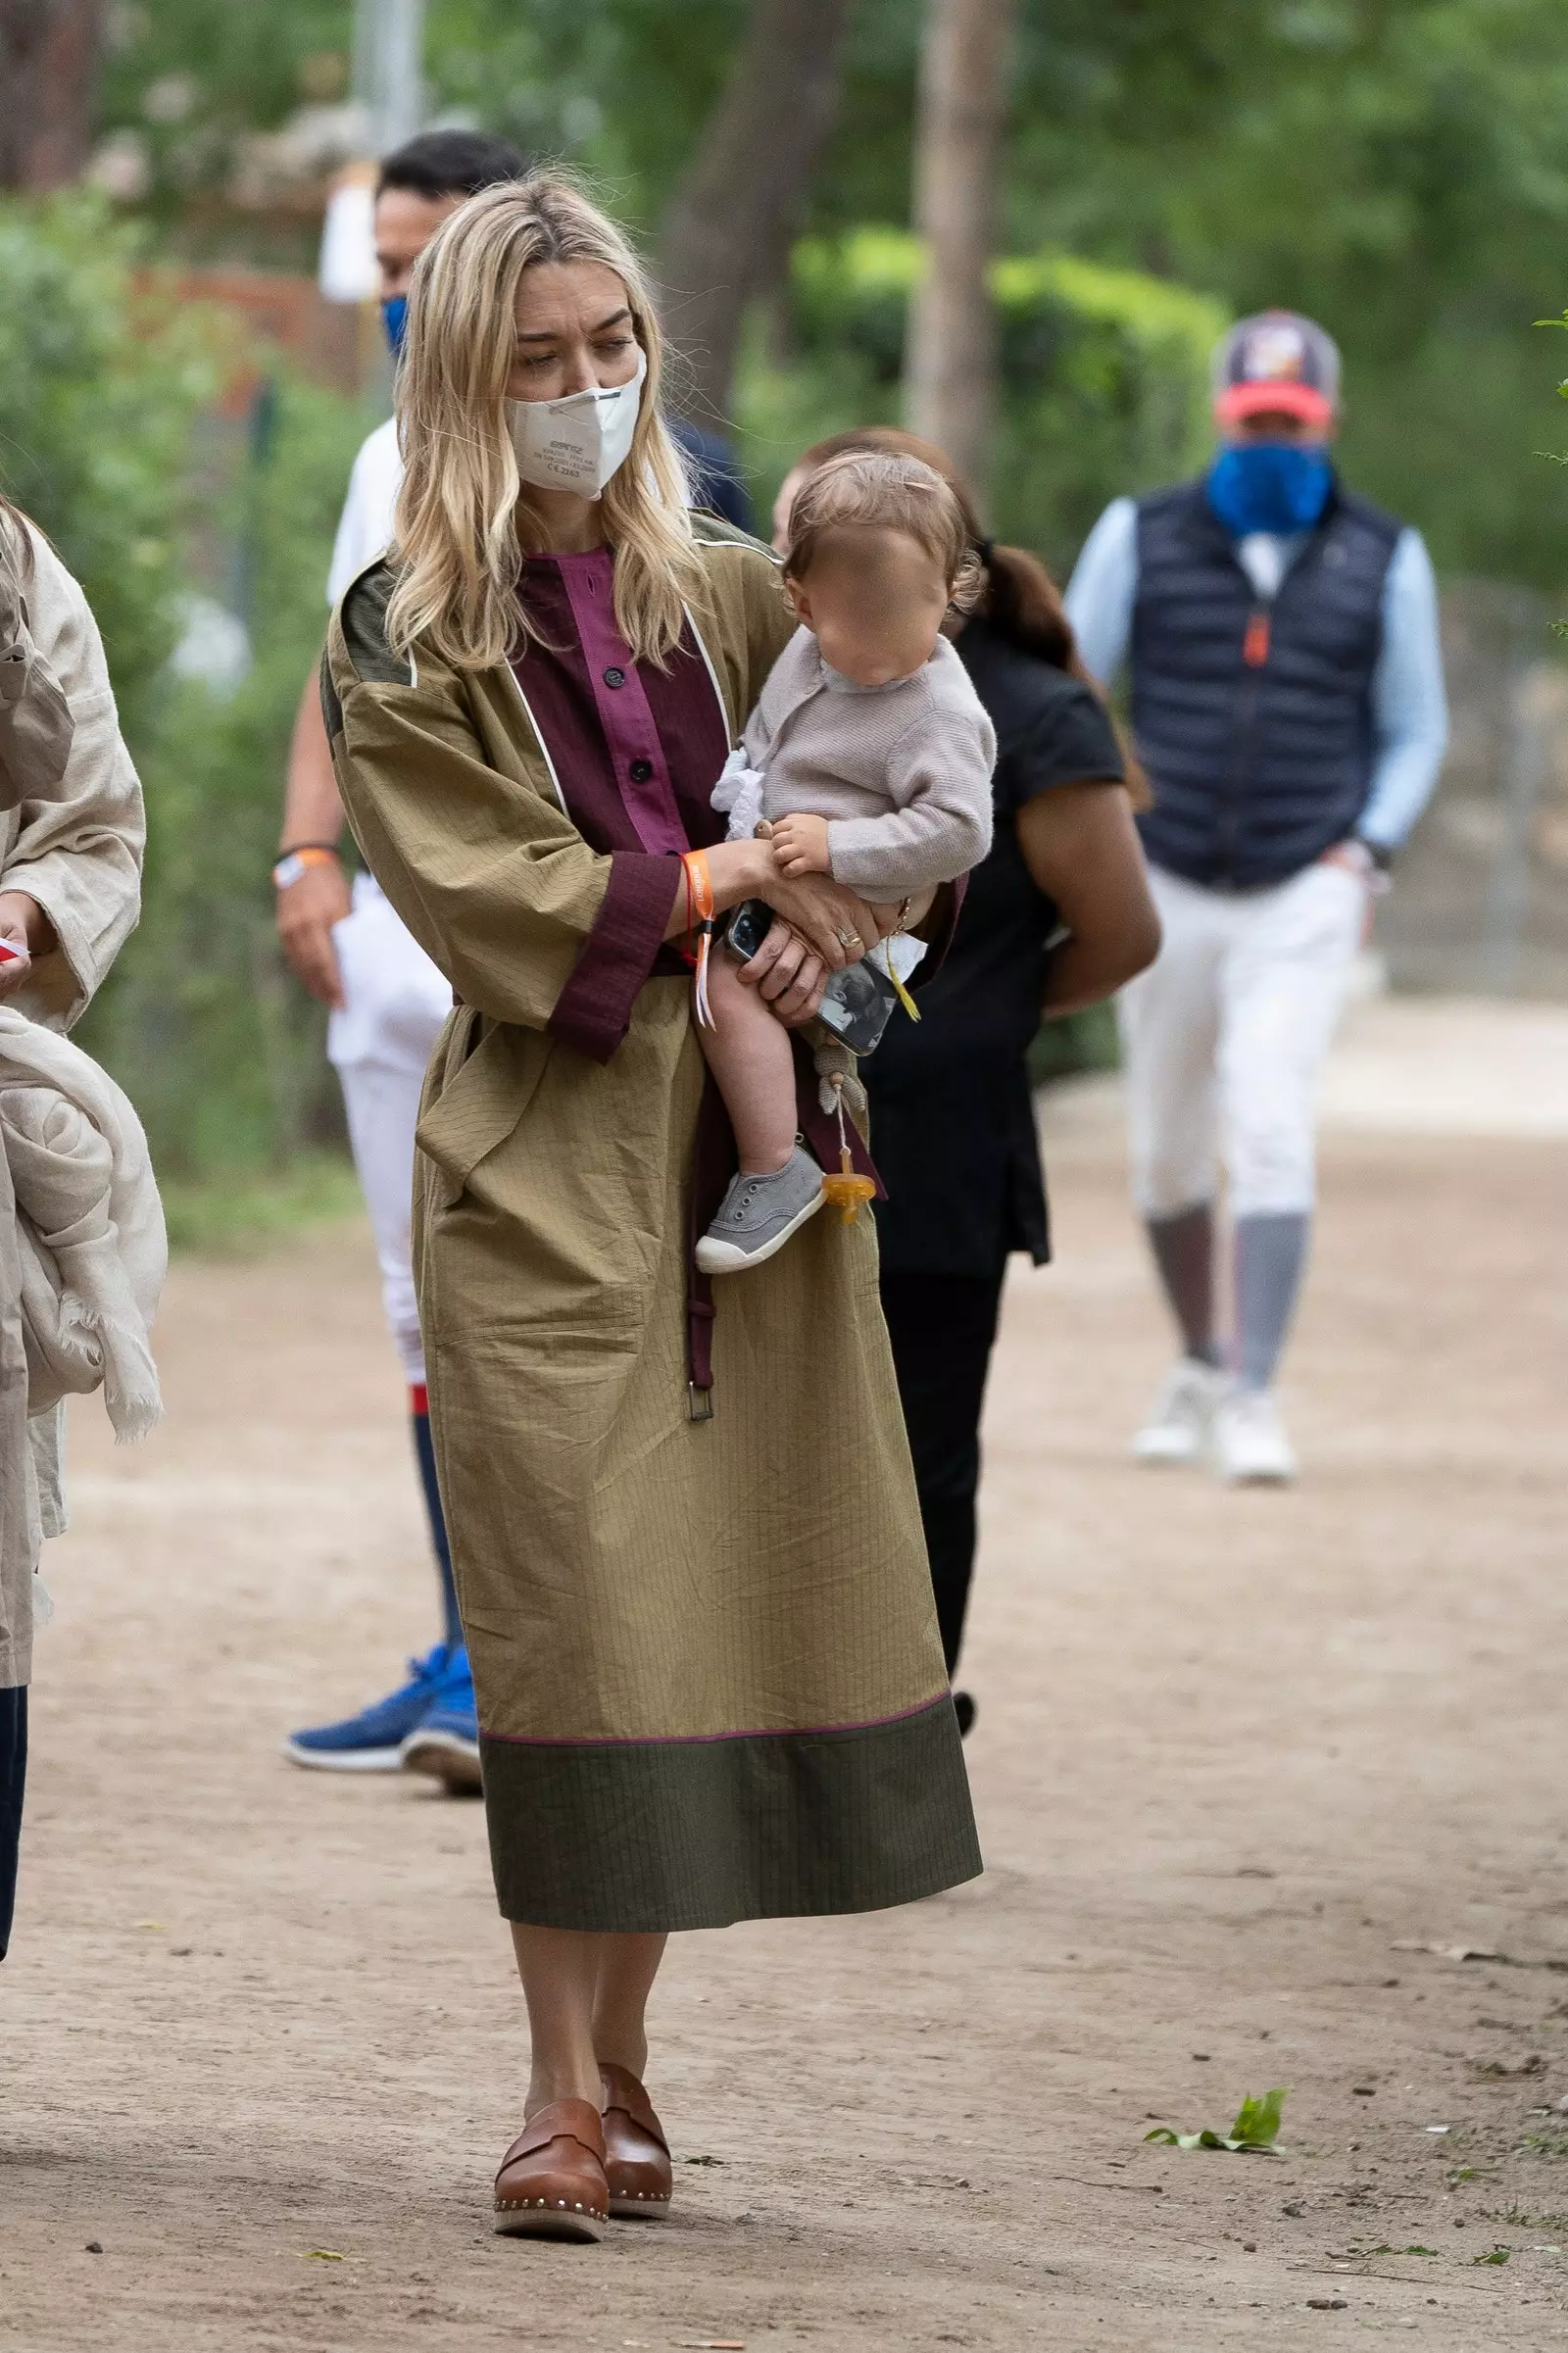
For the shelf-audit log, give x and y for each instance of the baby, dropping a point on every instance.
(867, 757)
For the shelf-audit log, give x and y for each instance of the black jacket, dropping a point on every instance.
(952, 1116)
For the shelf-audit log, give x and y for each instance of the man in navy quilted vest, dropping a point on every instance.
(1287, 701)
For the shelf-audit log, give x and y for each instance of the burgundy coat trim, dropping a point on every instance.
(593, 1011)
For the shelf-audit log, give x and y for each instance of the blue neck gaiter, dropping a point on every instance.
(395, 318)
(1269, 486)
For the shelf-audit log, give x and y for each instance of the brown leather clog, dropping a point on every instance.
(551, 2179)
(637, 2163)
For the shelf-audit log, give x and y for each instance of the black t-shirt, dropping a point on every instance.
(952, 1121)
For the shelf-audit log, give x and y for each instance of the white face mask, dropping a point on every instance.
(579, 442)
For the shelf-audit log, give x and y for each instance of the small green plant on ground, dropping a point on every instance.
(1254, 2132)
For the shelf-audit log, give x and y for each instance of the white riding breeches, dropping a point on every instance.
(380, 1043)
(1224, 1036)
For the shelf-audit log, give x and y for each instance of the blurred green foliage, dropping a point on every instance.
(1398, 168)
(222, 1051)
(1104, 376)
(109, 437)
(100, 391)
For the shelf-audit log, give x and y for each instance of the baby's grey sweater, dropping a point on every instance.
(902, 772)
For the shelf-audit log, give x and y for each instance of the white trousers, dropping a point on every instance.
(1224, 1036)
(380, 1043)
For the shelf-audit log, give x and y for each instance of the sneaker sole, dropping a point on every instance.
(1166, 1455)
(442, 1756)
(344, 1760)
(723, 1259)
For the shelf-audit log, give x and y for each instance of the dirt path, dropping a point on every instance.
(1235, 1754)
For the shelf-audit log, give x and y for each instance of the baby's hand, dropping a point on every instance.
(799, 845)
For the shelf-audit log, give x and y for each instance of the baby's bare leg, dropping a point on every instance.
(749, 1056)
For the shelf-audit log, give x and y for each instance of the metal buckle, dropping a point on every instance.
(699, 1403)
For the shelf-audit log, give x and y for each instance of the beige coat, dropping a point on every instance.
(75, 847)
(708, 1678)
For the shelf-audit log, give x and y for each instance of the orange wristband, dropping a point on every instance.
(700, 924)
(292, 863)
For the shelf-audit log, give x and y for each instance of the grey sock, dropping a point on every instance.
(1270, 1257)
(1184, 1253)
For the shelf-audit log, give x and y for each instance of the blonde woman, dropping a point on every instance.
(687, 1554)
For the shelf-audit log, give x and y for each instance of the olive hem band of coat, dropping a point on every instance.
(699, 1834)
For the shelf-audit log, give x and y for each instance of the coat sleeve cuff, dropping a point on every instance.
(593, 1011)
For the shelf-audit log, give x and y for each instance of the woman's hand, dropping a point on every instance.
(822, 927)
(788, 976)
(834, 923)
(24, 925)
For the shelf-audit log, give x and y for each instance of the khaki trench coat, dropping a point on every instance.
(706, 1657)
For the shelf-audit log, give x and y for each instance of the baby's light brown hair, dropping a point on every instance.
(865, 489)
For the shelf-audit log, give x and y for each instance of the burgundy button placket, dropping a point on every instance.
(622, 704)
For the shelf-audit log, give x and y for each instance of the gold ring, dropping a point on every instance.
(849, 938)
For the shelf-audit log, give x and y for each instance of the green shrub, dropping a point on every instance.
(100, 390)
(112, 438)
(1104, 376)
(218, 1047)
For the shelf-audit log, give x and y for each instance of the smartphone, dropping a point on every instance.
(749, 927)
(856, 1003)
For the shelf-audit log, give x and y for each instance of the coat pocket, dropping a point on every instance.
(481, 1081)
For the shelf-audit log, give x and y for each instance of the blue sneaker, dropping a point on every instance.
(373, 1740)
(445, 1744)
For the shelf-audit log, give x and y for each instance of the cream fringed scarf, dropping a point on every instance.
(89, 1222)
(83, 1266)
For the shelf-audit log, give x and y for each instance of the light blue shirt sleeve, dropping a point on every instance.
(1410, 708)
(1104, 588)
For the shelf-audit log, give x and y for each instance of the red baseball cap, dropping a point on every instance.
(1276, 363)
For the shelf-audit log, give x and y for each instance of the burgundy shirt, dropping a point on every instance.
(636, 752)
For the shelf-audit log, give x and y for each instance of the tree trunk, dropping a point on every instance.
(49, 53)
(951, 360)
(727, 233)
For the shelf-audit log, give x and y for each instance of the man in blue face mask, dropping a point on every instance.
(1288, 703)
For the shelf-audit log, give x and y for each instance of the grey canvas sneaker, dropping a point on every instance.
(759, 1213)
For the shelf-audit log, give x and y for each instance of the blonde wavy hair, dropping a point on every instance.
(464, 520)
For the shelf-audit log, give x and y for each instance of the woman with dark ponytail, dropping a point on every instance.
(1057, 918)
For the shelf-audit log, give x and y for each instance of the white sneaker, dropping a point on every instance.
(1179, 1421)
(1251, 1448)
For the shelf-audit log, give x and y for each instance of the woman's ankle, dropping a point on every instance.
(547, 2084)
(623, 2049)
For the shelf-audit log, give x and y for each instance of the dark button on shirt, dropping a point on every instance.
(614, 677)
(641, 770)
